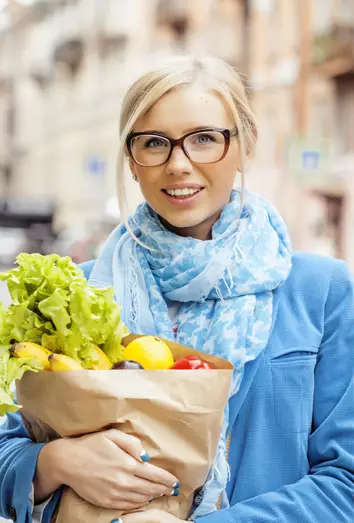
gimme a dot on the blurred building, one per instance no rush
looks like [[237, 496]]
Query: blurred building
[[301, 70], [65, 65]]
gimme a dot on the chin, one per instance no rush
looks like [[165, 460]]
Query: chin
[[180, 222]]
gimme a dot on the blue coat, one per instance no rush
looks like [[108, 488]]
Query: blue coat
[[292, 444]]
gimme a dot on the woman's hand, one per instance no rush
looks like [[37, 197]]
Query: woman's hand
[[107, 469], [150, 516]]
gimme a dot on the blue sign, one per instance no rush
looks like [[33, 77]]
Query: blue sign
[[310, 160], [96, 166]]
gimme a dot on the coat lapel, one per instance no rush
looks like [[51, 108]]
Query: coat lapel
[[250, 371]]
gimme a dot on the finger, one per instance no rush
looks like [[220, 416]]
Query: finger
[[156, 475], [129, 444], [125, 506], [148, 488], [134, 497], [118, 504], [118, 501]]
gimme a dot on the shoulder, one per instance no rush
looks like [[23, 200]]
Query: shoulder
[[309, 267], [107, 250], [315, 277], [319, 290]]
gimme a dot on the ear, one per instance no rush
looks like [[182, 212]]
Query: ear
[[248, 159], [132, 167]]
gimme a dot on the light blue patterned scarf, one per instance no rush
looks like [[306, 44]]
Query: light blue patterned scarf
[[224, 285]]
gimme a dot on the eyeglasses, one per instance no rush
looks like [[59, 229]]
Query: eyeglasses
[[206, 146]]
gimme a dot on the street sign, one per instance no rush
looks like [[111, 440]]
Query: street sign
[[310, 160], [96, 166]]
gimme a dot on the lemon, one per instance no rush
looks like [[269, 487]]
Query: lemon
[[150, 352]]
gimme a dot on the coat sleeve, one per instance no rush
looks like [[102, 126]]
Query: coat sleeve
[[18, 460], [327, 492]]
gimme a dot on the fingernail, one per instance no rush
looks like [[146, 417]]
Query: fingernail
[[176, 485], [145, 457], [175, 492], [117, 520]]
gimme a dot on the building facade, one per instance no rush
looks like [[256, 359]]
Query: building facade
[[302, 80], [65, 65]]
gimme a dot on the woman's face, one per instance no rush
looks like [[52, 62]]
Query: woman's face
[[177, 113]]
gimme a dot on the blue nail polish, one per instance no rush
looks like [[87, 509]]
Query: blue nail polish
[[145, 457], [117, 520], [176, 485], [175, 492]]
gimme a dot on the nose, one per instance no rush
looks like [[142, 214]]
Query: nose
[[179, 163]]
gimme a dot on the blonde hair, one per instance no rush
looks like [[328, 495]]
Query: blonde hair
[[214, 74]]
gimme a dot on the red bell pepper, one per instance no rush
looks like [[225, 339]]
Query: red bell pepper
[[192, 363]]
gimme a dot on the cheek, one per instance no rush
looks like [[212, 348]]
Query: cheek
[[149, 180], [229, 166], [222, 175]]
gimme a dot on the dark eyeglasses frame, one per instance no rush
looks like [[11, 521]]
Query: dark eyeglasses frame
[[179, 142]]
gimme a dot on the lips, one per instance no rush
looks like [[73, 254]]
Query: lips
[[182, 193], [182, 190], [185, 196]]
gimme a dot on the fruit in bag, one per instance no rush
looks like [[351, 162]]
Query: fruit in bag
[[151, 352]]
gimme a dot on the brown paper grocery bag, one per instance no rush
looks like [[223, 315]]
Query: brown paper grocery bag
[[177, 415]]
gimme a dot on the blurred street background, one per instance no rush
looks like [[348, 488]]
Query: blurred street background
[[65, 65]]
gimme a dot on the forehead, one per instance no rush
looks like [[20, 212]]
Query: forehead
[[184, 109]]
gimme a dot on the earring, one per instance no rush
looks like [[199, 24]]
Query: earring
[[135, 178]]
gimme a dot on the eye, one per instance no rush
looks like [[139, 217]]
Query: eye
[[155, 142], [203, 138]]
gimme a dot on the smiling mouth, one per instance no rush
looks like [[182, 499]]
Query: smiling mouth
[[182, 193]]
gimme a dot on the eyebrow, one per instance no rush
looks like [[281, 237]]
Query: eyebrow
[[192, 129]]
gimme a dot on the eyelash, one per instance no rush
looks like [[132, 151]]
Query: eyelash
[[152, 140], [209, 136]]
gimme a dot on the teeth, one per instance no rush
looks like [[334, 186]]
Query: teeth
[[181, 192]]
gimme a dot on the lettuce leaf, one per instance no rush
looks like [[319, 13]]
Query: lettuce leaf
[[53, 305], [12, 369]]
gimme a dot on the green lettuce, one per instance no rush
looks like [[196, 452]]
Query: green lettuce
[[53, 305], [12, 369]]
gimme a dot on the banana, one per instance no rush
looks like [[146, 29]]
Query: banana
[[27, 349], [62, 363], [103, 363]]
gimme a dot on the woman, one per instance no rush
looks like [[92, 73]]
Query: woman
[[212, 267]]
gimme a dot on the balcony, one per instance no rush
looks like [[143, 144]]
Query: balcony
[[333, 51]]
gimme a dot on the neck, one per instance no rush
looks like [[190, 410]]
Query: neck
[[202, 231]]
